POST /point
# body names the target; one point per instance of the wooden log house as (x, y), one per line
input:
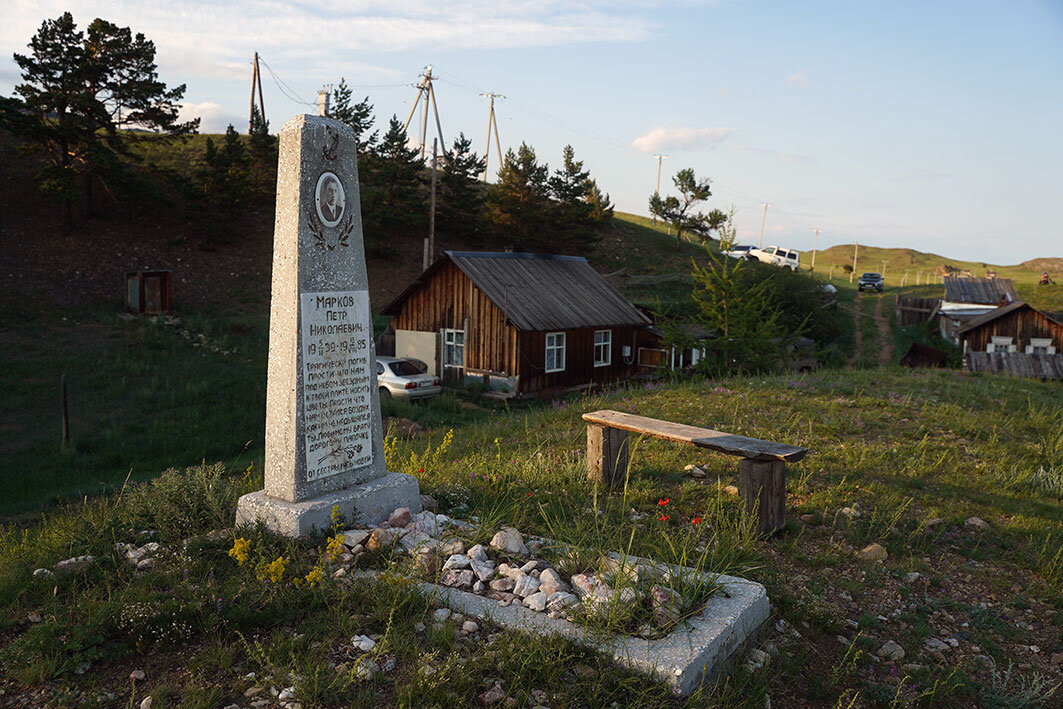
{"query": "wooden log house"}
(522, 323)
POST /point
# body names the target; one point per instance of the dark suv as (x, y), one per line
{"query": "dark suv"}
(870, 281)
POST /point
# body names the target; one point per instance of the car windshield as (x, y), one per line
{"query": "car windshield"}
(404, 369)
(871, 276)
(740, 248)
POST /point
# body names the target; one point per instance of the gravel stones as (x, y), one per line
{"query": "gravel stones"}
(891, 651)
(354, 537)
(873, 552)
(537, 601)
(400, 517)
(503, 584)
(381, 538)
(477, 552)
(667, 605)
(457, 579)
(492, 696)
(484, 570)
(363, 643)
(525, 586)
(441, 615)
(74, 564)
(976, 523)
(457, 561)
(509, 541)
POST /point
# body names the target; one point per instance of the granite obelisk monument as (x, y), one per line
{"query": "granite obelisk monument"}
(324, 445)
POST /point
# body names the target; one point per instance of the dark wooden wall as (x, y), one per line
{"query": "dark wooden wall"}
(492, 345)
(1021, 324)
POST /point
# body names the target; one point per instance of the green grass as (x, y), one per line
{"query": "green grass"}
(904, 447)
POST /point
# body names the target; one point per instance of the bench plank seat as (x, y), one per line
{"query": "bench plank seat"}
(749, 448)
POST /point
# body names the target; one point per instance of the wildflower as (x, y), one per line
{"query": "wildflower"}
(663, 502)
(273, 571)
(664, 518)
(335, 547)
(336, 517)
(314, 577)
(239, 550)
(696, 520)
(531, 494)
(420, 470)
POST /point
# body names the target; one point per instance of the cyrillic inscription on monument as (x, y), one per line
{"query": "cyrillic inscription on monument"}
(337, 382)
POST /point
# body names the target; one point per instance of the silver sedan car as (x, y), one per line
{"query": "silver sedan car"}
(405, 378)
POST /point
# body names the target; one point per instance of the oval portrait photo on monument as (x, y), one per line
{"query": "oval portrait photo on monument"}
(329, 198)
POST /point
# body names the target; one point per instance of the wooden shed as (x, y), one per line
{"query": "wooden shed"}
(1017, 327)
(523, 323)
(967, 299)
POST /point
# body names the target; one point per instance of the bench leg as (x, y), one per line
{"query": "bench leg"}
(607, 455)
(763, 485)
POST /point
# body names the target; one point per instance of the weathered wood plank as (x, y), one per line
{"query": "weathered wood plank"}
(750, 448)
(607, 454)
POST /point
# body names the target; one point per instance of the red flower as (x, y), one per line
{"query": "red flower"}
(664, 518)
(531, 494)
(420, 470)
(662, 502)
(696, 520)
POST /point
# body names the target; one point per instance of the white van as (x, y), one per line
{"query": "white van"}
(777, 256)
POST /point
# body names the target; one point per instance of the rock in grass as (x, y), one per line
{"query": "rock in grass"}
(415, 540)
(469, 626)
(137, 675)
(695, 471)
(583, 584)
(492, 696)
(441, 614)
(428, 502)
(457, 579)
(560, 600)
(477, 552)
(1057, 659)
(536, 601)
(43, 573)
(74, 564)
(525, 586)
(731, 490)
(400, 517)
(976, 523)
(381, 538)
(503, 584)
(666, 603)
(891, 651)
(456, 561)
(484, 570)
(810, 518)
(873, 552)
(354, 537)
(509, 541)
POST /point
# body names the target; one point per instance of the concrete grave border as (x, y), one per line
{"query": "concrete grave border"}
(700, 648)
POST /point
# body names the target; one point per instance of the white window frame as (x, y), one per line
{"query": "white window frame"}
(557, 347)
(450, 340)
(608, 348)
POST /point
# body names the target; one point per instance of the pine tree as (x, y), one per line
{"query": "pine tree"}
(393, 195)
(601, 208)
(358, 116)
(461, 198)
(679, 213)
(519, 203)
(569, 184)
(263, 153)
(227, 178)
(82, 90)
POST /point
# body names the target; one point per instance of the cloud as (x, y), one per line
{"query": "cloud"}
(680, 138)
(798, 78)
(213, 118)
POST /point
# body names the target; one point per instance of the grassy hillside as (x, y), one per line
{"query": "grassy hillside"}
(900, 459)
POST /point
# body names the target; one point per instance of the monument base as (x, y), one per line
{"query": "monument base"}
(366, 504)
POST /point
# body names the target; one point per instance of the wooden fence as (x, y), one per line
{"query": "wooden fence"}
(912, 310)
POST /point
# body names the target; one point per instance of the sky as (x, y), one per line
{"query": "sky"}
(926, 125)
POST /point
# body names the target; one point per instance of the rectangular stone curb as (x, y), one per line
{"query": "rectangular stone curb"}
(369, 503)
(699, 649)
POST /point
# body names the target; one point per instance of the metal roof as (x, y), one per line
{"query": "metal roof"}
(979, 290)
(540, 292)
(999, 312)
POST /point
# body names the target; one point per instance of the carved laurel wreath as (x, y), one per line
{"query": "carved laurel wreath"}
(316, 228)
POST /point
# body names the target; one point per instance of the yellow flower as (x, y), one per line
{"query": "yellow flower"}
(335, 547)
(314, 577)
(239, 550)
(337, 518)
(274, 571)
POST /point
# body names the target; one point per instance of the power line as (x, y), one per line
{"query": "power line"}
(284, 88)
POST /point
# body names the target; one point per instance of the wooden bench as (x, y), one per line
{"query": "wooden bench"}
(761, 472)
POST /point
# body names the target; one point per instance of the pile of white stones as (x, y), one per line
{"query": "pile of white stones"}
(506, 569)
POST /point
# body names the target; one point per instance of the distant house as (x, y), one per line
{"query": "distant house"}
(968, 298)
(522, 323)
(1015, 338)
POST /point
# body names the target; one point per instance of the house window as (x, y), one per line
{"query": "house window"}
(555, 351)
(603, 348)
(453, 348)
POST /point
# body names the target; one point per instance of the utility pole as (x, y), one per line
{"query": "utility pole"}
(760, 242)
(256, 82)
(429, 253)
(491, 122)
(426, 89)
(856, 250)
(657, 191)
(883, 271)
(815, 241)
